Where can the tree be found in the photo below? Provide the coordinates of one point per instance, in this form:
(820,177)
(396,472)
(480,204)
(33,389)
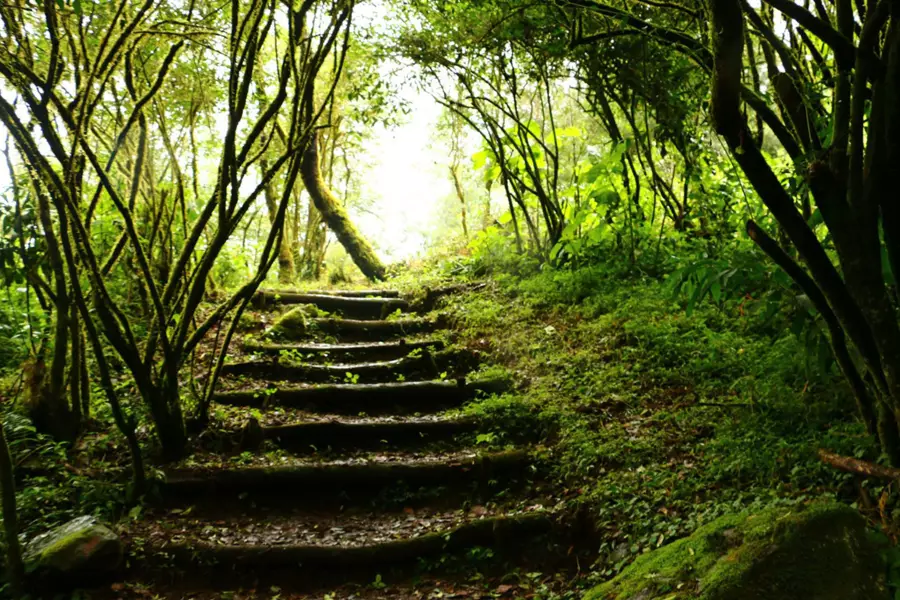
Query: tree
(63,93)
(806,104)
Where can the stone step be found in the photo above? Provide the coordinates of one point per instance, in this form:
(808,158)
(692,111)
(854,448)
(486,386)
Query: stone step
(367,308)
(356,330)
(371,399)
(372,293)
(365,351)
(349,481)
(338,434)
(418,368)
(298,550)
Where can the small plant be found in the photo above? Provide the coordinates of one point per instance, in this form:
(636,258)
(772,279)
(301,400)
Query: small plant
(290,354)
(265,393)
(244,458)
(486,438)
(379,583)
(351,377)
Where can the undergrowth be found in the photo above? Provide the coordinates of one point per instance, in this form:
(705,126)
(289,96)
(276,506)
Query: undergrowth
(660,419)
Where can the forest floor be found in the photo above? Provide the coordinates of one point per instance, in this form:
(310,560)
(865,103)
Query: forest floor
(614,422)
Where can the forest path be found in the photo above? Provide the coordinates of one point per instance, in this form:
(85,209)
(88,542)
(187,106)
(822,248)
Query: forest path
(356,463)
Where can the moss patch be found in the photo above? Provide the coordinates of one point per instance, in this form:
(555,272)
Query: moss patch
(294,324)
(822,551)
(79,548)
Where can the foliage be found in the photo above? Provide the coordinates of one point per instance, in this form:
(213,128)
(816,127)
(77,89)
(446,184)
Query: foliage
(664,420)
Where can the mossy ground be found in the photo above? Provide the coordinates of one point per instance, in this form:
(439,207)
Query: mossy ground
(822,551)
(660,421)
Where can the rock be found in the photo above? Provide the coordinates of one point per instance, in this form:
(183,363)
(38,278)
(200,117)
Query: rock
(819,552)
(81,549)
(294,324)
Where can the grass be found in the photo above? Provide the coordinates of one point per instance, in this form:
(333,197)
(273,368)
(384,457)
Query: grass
(661,420)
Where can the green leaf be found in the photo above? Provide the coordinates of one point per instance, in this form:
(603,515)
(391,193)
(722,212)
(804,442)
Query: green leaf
(479,159)
(715,291)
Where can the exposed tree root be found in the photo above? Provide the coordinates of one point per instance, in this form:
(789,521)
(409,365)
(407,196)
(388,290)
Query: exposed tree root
(349,306)
(377,398)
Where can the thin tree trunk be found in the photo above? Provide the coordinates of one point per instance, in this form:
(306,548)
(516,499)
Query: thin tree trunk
(285,252)
(75,370)
(49,408)
(454,172)
(10,520)
(486,217)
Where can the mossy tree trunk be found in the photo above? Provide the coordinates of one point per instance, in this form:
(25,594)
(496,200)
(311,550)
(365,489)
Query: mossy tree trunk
(335,215)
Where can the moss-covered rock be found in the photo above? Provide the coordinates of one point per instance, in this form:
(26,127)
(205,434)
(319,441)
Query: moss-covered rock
(83,548)
(820,552)
(294,324)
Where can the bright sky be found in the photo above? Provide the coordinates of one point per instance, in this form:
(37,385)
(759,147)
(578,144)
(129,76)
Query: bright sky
(404,179)
(404,176)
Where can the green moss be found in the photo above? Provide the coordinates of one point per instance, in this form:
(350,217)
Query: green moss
(821,551)
(294,324)
(81,546)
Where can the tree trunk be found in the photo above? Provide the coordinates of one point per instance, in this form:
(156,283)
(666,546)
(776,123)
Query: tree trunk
(48,405)
(10,521)
(335,215)
(454,172)
(486,217)
(75,370)
(286,251)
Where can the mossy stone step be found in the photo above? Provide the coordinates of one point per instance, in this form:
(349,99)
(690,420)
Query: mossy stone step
(314,483)
(370,293)
(294,567)
(365,351)
(296,325)
(336,435)
(424,366)
(376,398)
(348,306)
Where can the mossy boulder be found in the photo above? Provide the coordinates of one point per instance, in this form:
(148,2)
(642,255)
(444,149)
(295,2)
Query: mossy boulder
(81,549)
(819,552)
(295,323)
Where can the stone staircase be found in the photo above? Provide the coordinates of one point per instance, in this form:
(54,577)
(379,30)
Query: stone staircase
(355,464)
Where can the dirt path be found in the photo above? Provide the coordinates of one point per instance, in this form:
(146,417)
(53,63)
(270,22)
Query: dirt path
(355,471)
